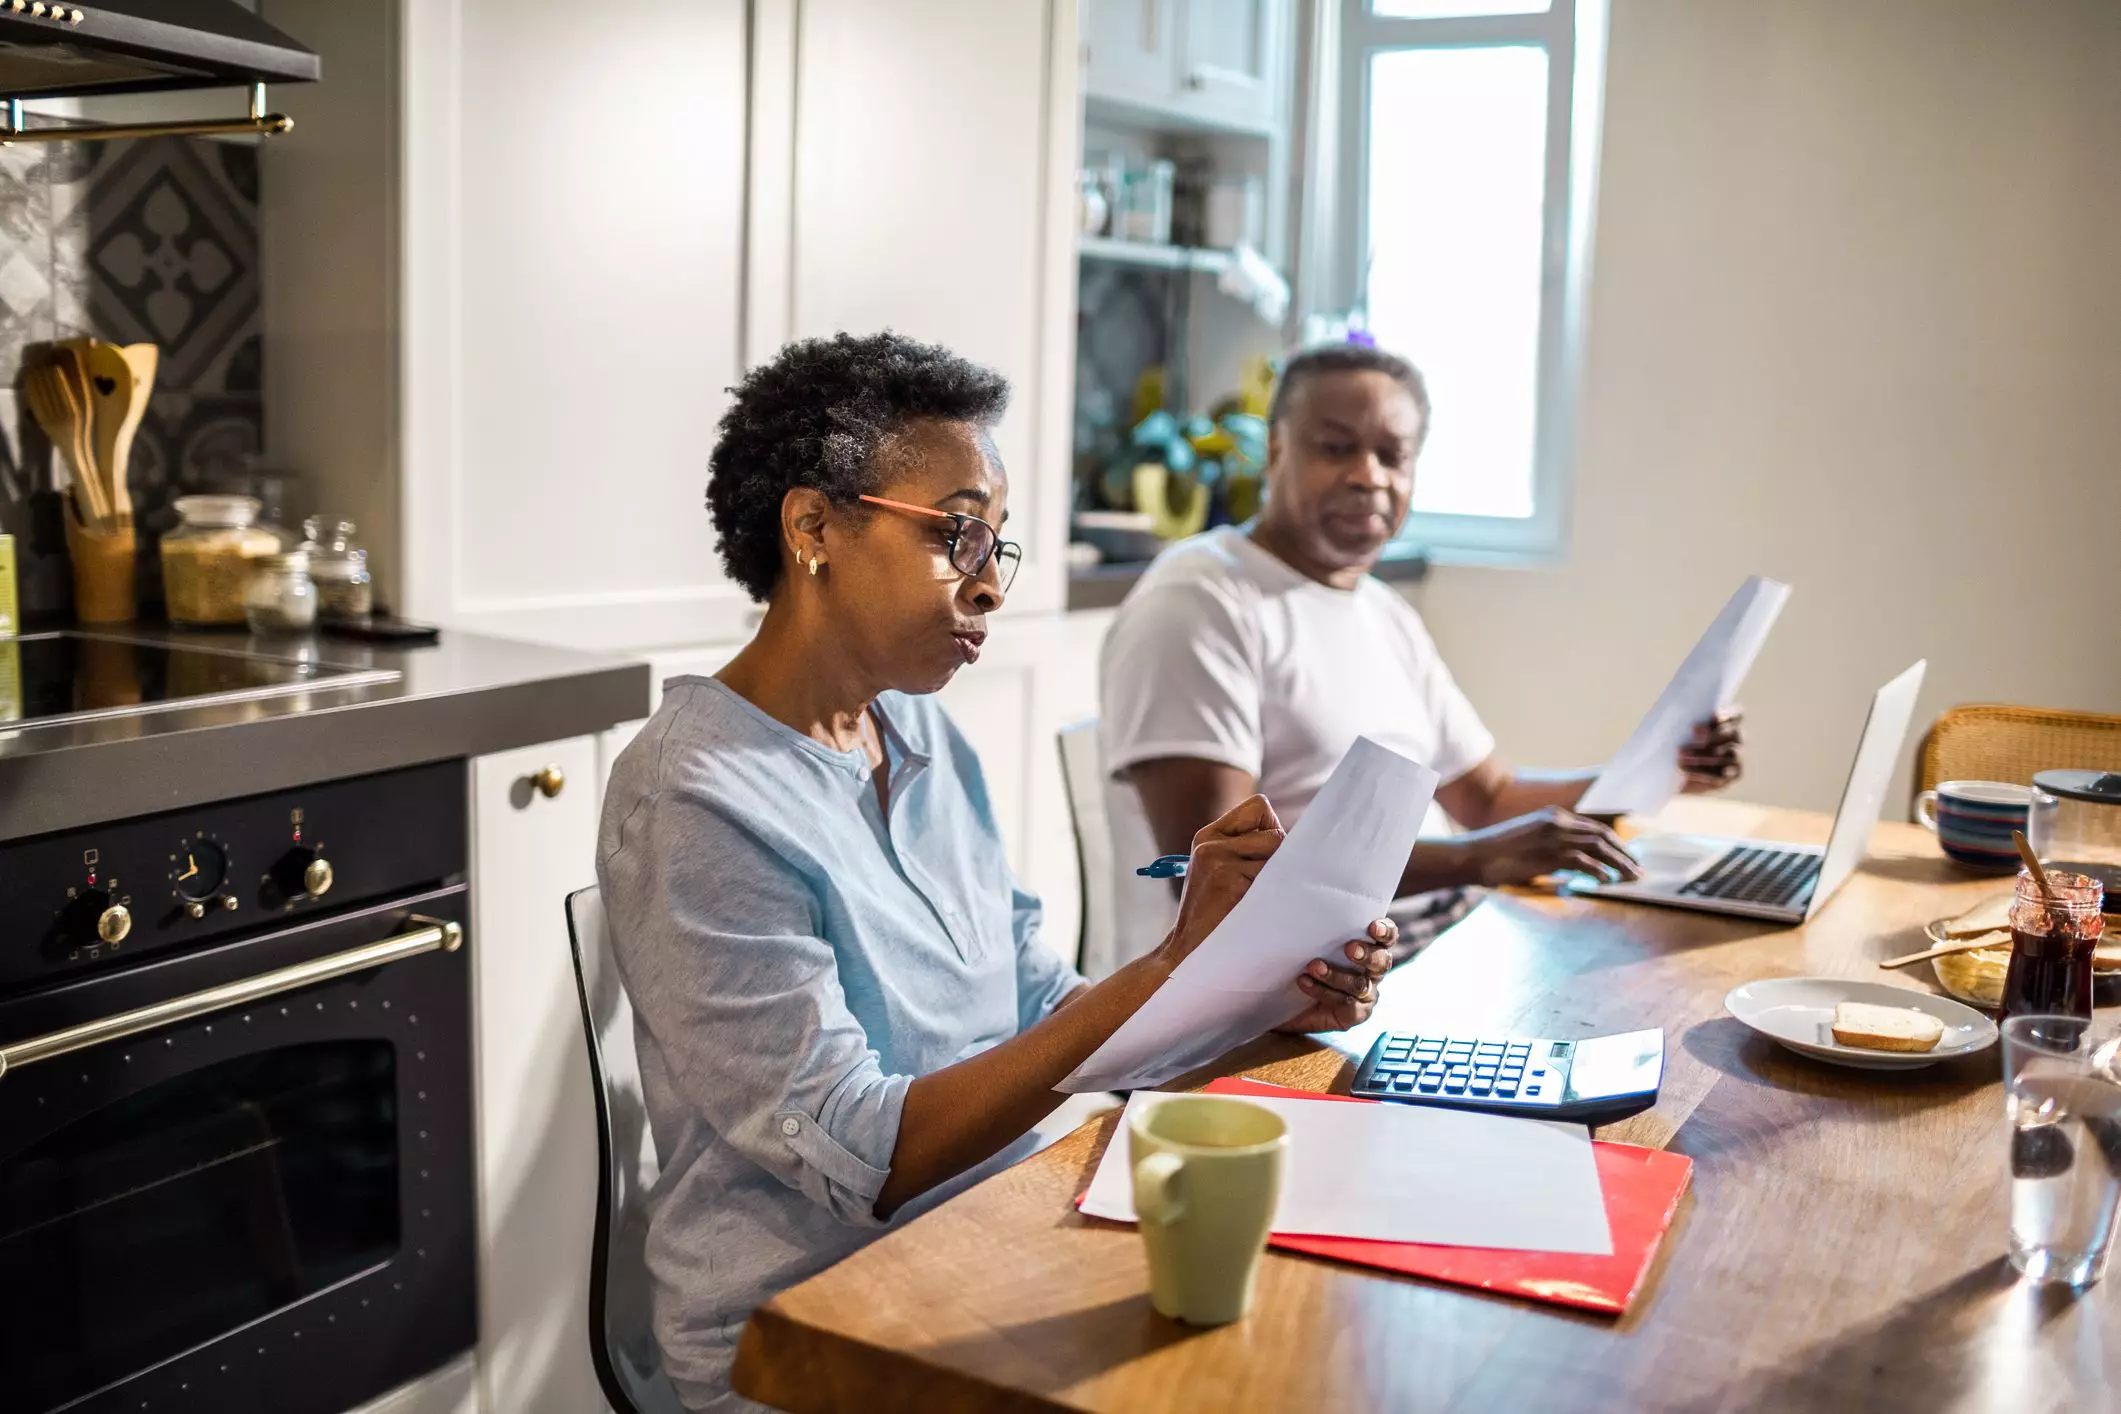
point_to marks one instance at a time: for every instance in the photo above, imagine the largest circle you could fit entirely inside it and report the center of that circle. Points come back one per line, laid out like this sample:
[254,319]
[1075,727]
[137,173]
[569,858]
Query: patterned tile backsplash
[152,241]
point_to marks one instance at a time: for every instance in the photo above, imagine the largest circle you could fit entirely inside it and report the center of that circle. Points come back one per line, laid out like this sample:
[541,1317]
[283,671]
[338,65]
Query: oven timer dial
[197,871]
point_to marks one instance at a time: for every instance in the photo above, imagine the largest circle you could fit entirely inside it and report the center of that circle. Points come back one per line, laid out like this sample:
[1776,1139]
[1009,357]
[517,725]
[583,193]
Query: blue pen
[1170,866]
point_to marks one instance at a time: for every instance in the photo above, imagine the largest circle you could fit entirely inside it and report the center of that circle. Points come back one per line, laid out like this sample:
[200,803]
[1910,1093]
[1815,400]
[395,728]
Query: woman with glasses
[845,1013]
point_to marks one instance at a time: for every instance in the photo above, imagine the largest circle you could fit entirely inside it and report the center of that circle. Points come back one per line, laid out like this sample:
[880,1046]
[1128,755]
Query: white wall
[1856,323]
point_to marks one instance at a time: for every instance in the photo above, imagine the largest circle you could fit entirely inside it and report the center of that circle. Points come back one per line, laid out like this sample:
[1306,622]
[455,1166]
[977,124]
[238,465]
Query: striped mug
[1973,820]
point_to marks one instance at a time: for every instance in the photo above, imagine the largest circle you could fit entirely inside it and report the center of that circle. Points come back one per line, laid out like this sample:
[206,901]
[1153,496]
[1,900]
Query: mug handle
[1157,1197]
[1926,811]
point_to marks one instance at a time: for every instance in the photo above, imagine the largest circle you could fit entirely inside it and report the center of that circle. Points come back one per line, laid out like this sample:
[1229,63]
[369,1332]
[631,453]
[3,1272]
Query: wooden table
[1841,1248]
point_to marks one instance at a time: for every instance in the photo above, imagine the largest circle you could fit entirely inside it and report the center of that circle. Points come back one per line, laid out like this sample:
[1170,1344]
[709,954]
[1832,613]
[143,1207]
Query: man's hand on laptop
[1549,841]
[1715,757]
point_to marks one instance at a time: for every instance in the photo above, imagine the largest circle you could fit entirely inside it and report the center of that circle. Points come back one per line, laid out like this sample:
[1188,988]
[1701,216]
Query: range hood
[65,50]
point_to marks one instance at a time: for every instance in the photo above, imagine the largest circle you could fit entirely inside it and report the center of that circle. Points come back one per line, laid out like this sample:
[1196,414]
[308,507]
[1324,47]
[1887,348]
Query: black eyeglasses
[973,542]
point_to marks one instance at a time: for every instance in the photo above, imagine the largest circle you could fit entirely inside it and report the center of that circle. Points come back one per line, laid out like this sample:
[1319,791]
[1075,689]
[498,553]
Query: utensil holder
[103,572]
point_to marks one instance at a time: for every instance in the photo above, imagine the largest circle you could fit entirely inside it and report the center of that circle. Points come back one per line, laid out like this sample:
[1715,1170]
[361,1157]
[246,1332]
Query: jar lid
[232,512]
[2099,787]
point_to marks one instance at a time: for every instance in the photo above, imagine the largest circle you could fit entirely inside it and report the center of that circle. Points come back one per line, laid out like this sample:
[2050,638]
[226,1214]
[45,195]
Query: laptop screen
[1877,753]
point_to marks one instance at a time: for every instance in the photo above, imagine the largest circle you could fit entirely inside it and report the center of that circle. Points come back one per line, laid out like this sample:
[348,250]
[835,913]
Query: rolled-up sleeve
[1042,977]
[718,943]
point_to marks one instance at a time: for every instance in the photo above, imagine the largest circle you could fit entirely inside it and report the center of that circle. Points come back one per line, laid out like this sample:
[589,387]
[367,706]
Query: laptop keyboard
[1772,877]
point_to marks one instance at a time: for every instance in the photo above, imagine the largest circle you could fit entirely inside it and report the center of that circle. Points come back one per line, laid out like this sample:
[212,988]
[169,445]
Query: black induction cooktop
[72,676]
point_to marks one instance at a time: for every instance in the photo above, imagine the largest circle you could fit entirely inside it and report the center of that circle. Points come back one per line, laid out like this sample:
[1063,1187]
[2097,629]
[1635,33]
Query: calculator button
[1404,1084]
[1506,1088]
[1484,1072]
[1480,1087]
[1396,1053]
[1537,1073]
[1432,1082]
[1456,1085]
[1490,1048]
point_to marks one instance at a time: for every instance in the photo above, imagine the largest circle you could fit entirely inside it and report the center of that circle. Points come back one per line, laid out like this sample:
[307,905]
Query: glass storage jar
[206,560]
[2075,824]
[281,598]
[345,590]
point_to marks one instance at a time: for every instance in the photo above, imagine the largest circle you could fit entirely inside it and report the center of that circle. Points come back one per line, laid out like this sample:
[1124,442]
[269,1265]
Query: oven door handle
[433,935]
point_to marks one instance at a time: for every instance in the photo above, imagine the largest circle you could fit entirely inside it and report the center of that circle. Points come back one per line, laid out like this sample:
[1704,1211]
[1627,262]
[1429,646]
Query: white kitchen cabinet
[453,1389]
[1130,50]
[536,1114]
[933,192]
[1231,66]
[1220,64]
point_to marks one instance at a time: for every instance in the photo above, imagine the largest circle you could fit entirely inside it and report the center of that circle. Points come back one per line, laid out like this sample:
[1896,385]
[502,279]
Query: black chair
[622,1344]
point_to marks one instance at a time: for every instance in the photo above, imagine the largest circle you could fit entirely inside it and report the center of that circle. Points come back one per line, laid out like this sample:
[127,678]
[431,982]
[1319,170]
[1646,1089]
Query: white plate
[1799,1012]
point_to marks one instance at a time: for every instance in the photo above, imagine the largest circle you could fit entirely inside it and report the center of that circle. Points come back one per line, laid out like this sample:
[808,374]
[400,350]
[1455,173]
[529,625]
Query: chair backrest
[622,1345]
[1992,742]
[1082,772]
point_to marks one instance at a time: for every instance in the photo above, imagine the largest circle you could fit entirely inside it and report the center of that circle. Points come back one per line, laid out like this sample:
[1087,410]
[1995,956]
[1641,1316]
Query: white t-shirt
[1224,653]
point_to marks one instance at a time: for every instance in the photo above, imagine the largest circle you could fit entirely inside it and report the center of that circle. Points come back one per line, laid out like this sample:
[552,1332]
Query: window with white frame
[1468,132]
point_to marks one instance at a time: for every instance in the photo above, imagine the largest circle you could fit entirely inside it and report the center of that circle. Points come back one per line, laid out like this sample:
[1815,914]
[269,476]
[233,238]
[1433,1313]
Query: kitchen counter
[1103,586]
[465,696]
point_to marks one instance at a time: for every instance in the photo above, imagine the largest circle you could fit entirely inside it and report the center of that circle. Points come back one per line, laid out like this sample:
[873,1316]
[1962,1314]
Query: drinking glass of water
[2062,1093]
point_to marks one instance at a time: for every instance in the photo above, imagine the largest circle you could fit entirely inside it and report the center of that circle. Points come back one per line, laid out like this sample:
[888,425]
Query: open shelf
[1159,257]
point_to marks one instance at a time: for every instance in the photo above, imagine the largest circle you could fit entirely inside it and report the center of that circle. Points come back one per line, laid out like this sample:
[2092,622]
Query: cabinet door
[537,1121]
[1230,68]
[1128,50]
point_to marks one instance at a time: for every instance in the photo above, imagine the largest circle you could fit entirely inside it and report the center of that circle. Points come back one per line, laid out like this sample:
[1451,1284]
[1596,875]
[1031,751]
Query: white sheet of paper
[1334,875]
[1644,774]
[1411,1173]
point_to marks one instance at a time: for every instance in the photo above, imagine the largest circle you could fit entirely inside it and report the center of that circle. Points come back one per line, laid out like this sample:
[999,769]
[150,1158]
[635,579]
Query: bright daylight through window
[1468,137]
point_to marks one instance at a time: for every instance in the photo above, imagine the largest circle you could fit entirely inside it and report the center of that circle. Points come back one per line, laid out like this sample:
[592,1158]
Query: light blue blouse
[795,958]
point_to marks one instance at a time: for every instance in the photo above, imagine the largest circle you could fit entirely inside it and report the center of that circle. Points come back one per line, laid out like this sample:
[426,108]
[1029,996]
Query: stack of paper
[1411,1173]
[1334,875]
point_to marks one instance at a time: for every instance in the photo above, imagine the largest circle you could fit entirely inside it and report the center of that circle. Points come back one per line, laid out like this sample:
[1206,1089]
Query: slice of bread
[1986,916]
[1886,1028]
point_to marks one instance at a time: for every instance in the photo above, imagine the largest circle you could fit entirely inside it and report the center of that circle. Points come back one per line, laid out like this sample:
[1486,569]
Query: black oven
[236,1163]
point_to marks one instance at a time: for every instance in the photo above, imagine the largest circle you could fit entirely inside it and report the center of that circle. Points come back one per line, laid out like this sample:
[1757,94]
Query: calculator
[1596,1080]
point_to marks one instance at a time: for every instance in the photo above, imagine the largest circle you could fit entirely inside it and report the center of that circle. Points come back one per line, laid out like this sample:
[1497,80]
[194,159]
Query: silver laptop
[1765,878]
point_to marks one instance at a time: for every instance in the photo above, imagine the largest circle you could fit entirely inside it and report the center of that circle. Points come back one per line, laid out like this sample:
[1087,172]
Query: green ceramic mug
[1207,1177]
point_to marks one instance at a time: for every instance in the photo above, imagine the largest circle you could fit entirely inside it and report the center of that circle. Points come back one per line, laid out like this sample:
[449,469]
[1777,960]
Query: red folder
[1642,1191]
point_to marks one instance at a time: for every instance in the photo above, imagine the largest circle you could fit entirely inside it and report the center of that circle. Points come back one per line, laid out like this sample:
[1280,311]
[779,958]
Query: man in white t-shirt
[1249,659]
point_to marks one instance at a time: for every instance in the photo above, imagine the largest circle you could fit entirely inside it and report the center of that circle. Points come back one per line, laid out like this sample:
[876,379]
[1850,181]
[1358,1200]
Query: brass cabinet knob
[550,781]
[115,923]
[316,879]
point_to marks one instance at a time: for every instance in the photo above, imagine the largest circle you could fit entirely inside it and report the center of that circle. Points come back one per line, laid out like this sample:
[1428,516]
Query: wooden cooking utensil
[1943,950]
[72,359]
[55,402]
[120,395]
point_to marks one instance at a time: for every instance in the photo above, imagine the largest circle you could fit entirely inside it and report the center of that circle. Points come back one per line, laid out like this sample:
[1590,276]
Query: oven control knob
[114,923]
[302,872]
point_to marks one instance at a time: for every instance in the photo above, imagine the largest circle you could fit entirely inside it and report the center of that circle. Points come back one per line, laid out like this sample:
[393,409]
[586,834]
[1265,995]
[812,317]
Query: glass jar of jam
[2051,946]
